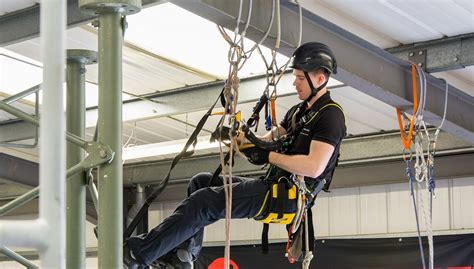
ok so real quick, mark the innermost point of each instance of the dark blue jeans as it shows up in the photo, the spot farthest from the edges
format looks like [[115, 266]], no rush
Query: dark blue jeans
[[204, 205]]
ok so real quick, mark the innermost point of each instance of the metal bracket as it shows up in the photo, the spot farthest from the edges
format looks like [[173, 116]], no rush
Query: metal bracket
[[92, 189], [124, 24], [97, 154], [418, 57]]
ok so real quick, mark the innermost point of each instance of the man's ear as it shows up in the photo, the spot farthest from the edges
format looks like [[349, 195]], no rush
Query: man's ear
[[321, 78]]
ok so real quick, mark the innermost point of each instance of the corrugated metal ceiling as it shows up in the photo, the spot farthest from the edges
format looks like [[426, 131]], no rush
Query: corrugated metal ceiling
[[384, 23], [390, 23]]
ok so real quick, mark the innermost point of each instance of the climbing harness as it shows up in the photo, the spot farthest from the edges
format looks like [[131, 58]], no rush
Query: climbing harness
[[289, 199], [422, 170]]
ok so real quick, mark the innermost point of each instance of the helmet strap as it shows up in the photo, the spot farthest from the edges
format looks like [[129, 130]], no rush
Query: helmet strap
[[314, 90]]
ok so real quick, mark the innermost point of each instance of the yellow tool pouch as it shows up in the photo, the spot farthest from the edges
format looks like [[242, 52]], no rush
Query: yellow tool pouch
[[280, 203]]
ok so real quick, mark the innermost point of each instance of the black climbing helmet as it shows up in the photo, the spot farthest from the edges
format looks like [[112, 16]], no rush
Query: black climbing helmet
[[312, 56]]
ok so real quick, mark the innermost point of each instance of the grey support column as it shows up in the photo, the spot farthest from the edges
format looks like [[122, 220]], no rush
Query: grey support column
[[111, 29], [75, 185]]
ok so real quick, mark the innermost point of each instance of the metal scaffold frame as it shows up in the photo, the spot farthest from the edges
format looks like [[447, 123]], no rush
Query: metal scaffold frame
[[47, 233], [39, 233]]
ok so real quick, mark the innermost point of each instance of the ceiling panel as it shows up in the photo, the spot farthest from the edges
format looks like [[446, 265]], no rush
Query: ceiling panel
[[460, 78], [143, 73], [189, 39], [401, 21], [389, 23]]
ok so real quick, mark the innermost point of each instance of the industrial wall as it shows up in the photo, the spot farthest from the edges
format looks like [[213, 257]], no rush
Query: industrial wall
[[381, 210], [370, 211]]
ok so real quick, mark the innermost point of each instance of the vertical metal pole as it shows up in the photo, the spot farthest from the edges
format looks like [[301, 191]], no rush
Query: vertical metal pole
[[52, 133], [110, 180], [110, 217], [47, 233], [75, 186], [75, 194]]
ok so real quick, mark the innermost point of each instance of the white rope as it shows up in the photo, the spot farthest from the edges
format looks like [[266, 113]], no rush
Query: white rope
[[237, 56], [425, 148], [230, 93]]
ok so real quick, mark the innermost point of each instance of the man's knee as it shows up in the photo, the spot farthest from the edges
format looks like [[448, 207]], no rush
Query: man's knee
[[206, 205], [199, 181]]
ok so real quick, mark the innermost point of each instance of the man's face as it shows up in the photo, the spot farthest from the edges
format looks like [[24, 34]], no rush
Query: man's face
[[301, 84]]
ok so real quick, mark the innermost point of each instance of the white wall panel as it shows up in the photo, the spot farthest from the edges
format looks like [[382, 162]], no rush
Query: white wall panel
[[463, 203], [400, 209], [373, 209], [321, 215], [343, 208]]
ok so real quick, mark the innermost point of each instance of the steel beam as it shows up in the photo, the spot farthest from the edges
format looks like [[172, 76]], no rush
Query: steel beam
[[359, 164], [190, 98], [172, 102], [24, 24], [18, 170], [26, 173], [16, 130], [361, 65], [438, 55], [178, 101], [370, 172]]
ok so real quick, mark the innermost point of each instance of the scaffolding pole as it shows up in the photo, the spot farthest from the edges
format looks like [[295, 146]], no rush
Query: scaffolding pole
[[18, 258], [110, 214], [75, 186], [47, 233]]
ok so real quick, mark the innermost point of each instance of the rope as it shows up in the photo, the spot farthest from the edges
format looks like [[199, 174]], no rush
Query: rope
[[425, 149], [230, 94], [409, 173], [237, 56], [274, 72]]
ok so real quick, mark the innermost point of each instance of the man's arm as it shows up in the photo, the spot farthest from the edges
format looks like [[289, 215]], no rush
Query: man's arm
[[311, 165]]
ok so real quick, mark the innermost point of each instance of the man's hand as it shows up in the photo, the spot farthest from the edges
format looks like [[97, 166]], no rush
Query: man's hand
[[255, 155], [221, 135]]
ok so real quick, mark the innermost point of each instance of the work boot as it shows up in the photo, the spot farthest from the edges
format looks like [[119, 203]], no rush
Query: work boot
[[179, 259], [128, 260]]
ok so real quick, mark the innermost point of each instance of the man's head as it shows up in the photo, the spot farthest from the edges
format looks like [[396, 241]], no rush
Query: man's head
[[313, 63]]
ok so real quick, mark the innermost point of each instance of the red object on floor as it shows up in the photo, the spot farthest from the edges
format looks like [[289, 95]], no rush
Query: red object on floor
[[219, 264]]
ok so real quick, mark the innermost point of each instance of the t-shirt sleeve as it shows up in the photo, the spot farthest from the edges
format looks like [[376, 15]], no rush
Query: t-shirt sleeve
[[330, 127]]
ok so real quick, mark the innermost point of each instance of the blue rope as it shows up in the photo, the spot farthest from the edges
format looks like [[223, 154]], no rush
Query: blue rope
[[409, 173], [431, 181]]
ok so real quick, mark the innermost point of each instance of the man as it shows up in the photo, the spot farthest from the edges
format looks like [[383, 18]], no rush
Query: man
[[313, 153]]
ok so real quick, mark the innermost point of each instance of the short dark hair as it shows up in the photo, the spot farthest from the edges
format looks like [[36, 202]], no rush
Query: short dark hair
[[323, 71]]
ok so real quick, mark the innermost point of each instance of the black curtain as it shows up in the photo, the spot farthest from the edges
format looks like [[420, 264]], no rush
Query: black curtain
[[451, 252]]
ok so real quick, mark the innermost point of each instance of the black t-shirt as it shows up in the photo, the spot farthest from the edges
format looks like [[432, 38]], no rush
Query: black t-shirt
[[327, 126]]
